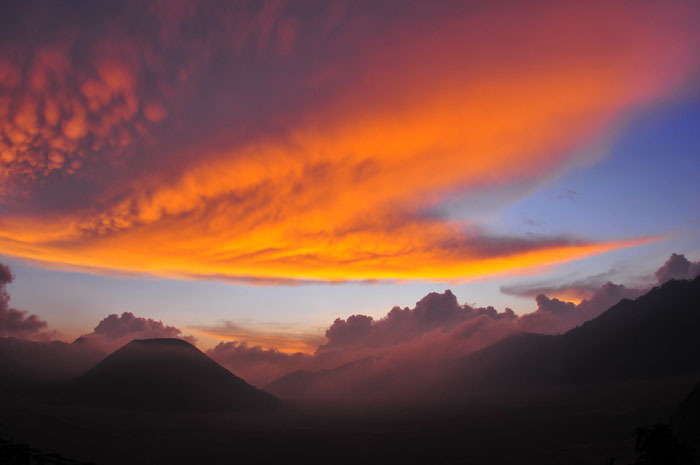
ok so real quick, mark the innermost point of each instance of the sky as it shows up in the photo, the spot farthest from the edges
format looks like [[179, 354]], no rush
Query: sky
[[254, 170]]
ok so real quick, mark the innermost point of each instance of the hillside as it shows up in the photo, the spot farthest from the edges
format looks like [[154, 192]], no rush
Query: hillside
[[164, 374], [653, 336]]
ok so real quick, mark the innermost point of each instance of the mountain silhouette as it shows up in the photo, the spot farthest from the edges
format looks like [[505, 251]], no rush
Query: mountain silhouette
[[304, 383], [28, 363], [653, 336], [164, 374], [686, 420]]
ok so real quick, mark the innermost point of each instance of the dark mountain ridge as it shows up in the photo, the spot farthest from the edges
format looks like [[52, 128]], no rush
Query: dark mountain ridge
[[28, 364], [301, 383], [686, 420], [653, 336], [656, 335], [164, 374]]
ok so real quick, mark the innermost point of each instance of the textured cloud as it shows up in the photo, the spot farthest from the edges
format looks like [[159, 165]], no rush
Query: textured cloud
[[677, 267], [400, 352], [437, 328], [116, 330], [15, 322], [28, 355], [230, 140], [433, 312], [43, 359], [574, 291], [256, 364], [405, 353], [287, 339], [557, 316]]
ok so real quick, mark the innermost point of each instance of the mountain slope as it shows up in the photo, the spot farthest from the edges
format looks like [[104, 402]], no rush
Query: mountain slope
[[28, 363], [686, 419], [655, 335], [314, 384], [164, 374]]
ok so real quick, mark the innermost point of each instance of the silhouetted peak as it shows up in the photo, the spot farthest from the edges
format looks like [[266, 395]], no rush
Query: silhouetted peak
[[675, 284], [653, 336], [160, 342], [165, 374]]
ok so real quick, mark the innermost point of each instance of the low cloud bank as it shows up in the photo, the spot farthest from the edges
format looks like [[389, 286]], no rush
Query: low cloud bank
[[361, 354], [436, 329]]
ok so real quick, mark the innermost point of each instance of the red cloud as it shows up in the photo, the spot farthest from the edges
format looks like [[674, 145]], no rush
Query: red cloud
[[230, 140]]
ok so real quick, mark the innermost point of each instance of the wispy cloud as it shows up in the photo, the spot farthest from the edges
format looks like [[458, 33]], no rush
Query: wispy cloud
[[282, 338]]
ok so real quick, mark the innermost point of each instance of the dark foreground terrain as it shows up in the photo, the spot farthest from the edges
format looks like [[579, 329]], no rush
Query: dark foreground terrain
[[585, 424], [577, 398]]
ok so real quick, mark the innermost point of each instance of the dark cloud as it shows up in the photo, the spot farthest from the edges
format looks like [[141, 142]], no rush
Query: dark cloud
[[555, 306], [15, 322], [6, 276], [478, 243], [580, 289], [569, 194], [677, 267]]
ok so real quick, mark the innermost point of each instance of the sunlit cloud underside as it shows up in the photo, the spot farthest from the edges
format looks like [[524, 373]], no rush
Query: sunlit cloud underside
[[316, 147]]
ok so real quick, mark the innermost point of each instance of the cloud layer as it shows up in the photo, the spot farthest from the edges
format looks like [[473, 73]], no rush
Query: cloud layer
[[29, 353], [677, 267], [359, 356], [231, 141], [379, 355], [13, 322]]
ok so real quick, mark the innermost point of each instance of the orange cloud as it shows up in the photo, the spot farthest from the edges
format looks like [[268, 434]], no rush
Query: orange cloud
[[331, 182], [285, 340]]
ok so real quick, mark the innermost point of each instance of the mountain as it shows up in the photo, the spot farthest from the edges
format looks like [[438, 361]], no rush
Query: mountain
[[28, 363], [656, 335], [686, 419], [315, 384], [164, 374]]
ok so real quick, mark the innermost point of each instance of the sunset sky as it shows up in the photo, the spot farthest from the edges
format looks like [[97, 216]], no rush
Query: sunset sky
[[253, 170]]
